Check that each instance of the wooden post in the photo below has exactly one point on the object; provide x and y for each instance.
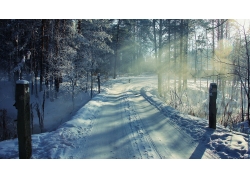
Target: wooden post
(212, 105)
(22, 104)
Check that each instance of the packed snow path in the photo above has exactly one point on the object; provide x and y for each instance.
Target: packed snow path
(127, 126)
(128, 121)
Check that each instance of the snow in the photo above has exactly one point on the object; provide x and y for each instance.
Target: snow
(220, 142)
(132, 114)
(129, 121)
(22, 82)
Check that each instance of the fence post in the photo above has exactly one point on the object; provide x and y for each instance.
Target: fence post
(22, 97)
(212, 105)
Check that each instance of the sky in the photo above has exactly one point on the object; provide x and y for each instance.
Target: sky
(99, 9)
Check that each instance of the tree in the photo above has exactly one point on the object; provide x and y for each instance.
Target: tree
(116, 48)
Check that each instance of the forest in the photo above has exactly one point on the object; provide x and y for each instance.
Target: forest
(181, 52)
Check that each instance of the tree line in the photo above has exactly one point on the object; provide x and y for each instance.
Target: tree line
(177, 50)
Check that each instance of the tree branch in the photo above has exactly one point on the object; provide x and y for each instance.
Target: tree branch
(217, 25)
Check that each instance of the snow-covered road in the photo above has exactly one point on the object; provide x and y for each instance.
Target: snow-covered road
(128, 121)
(127, 126)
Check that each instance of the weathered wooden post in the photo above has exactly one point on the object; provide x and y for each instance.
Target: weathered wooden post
(212, 105)
(22, 104)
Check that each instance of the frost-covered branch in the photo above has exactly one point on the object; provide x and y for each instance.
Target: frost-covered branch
(19, 65)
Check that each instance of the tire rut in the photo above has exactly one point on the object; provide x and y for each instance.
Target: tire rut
(140, 137)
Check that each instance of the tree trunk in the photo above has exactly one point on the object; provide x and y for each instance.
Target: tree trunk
(140, 51)
(213, 49)
(32, 60)
(56, 70)
(47, 69)
(218, 40)
(196, 58)
(91, 79)
(116, 49)
(223, 81)
(185, 74)
(181, 56)
(248, 77)
(175, 62)
(207, 57)
(169, 56)
(133, 61)
(159, 64)
(79, 22)
(42, 53)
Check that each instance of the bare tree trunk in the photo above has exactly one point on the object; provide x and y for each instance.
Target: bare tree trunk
(91, 79)
(223, 83)
(79, 22)
(196, 59)
(47, 73)
(32, 60)
(135, 50)
(42, 58)
(185, 71)
(139, 51)
(56, 70)
(169, 55)
(207, 57)
(116, 48)
(218, 39)
(241, 85)
(50, 61)
(181, 56)
(175, 63)
(159, 64)
(155, 47)
(248, 75)
(213, 49)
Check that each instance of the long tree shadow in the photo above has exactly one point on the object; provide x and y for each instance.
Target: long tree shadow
(201, 148)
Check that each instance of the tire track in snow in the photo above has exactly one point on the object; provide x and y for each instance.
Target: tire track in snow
(159, 148)
(144, 144)
(129, 129)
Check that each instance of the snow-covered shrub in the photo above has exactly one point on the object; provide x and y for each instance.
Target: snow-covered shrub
(195, 101)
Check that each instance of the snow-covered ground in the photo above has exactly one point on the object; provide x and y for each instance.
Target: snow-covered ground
(128, 121)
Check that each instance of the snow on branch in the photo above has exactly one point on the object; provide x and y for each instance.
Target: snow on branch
(20, 65)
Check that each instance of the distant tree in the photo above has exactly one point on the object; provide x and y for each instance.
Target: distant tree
(116, 48)
(242, 67)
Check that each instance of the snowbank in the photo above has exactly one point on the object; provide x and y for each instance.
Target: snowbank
(222, 141)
